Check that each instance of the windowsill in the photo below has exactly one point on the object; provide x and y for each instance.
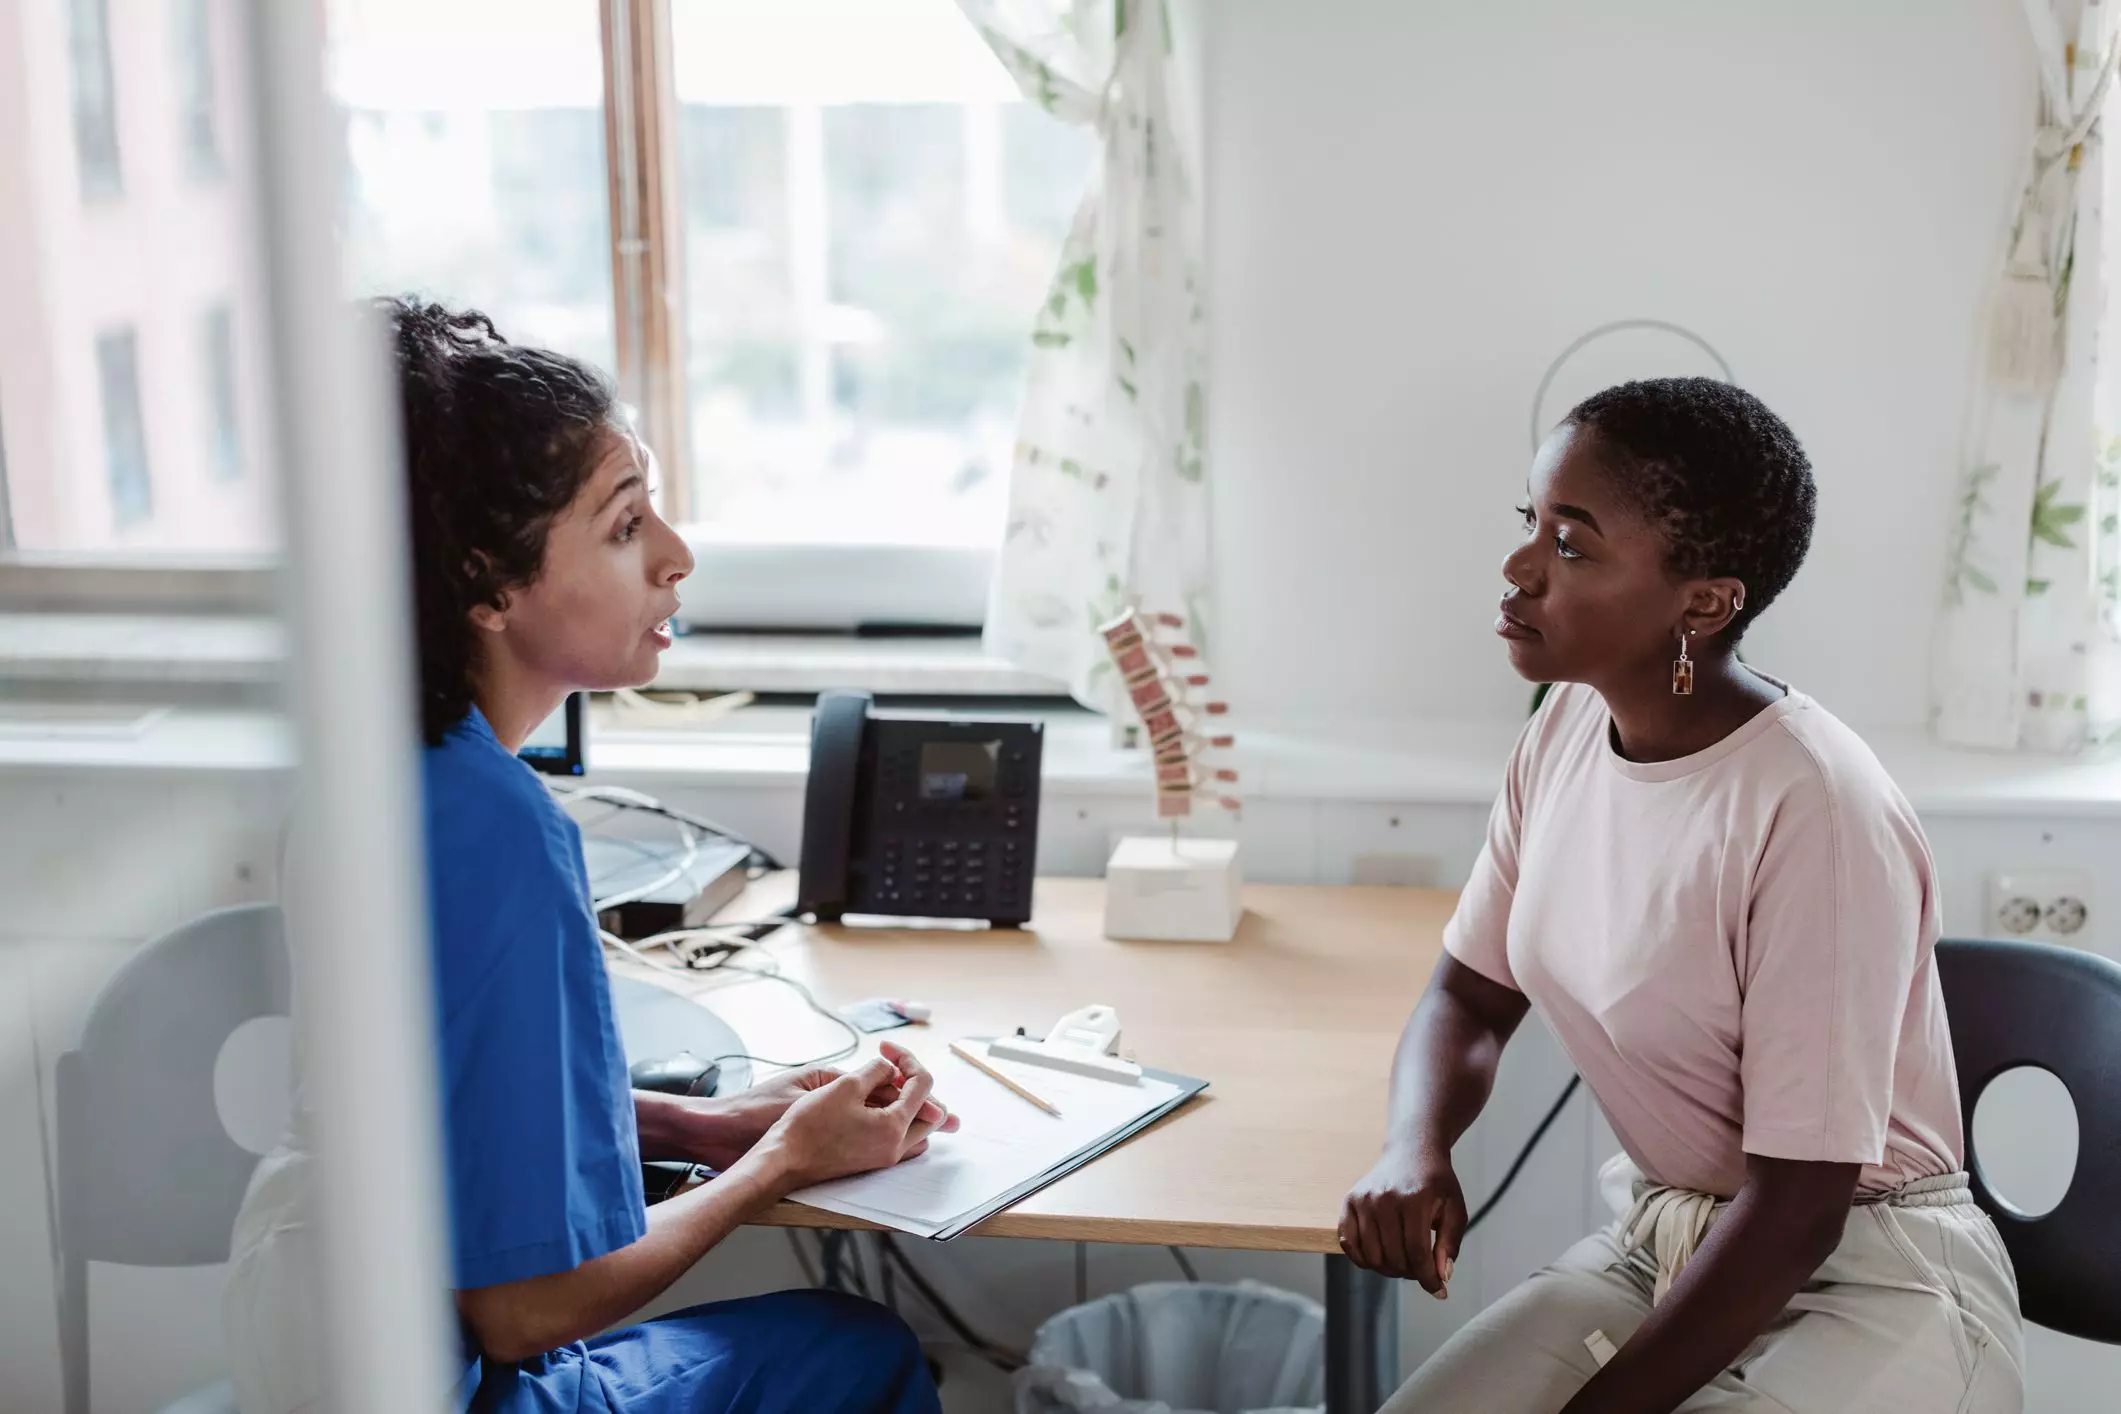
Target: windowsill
(147, 650)
(1451, 762)
(942, 667)
(139, 649)
(1447, 763)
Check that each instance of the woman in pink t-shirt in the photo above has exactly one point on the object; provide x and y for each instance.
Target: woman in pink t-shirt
(1726, 911)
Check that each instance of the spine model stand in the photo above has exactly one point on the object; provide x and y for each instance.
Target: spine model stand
(1158, 669)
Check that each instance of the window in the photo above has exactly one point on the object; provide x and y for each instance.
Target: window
(475, 145)
(809, 237)
(143, 443)
(95, 97)
(871, 219)
(132, 498)
(866, 219)
(224, 438)
(195, 88)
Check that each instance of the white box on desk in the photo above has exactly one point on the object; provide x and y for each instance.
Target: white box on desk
(1164, 889)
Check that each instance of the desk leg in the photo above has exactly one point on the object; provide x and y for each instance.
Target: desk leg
(1362, 1338)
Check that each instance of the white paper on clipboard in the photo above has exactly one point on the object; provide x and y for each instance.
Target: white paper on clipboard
(1005, 1147)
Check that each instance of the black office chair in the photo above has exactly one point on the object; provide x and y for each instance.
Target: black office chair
(2019, 1004)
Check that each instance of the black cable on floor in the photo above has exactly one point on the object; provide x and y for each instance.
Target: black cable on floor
(860, 1268)
(802, 1258)
(851, 1254)
(993, 1354)
(830, 1254)
(884, 1277)
(1567, 1092)
(1185, 1263)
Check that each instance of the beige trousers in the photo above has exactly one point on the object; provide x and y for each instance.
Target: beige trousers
(1916, 1312)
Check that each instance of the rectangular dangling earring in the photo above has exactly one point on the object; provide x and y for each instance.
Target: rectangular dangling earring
(1683, 671)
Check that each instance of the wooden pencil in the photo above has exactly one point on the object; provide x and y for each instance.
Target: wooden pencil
(981, 1063)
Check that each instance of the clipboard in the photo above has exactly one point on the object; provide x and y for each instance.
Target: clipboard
(951, 1189)
(1188, 1086)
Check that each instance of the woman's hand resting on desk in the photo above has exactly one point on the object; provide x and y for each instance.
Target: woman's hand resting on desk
(1406, 1218)
(871, 1119)
(725, 1128)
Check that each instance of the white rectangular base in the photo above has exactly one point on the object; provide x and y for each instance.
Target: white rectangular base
(1183, 890)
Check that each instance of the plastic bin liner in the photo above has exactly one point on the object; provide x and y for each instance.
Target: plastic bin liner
(1180, 1348)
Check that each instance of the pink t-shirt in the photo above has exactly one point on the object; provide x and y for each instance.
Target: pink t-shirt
(1735, 948)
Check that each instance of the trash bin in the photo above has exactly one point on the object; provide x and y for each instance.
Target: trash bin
(1180, 1348)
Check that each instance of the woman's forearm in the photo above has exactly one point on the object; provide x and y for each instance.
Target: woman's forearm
(715, 1131)
(518, 1320)
(1441, 1078)
(673, 1126)
(1445, 1066)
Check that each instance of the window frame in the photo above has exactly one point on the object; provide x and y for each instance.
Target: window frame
(220, 392)
(744, 583)
(196, 86)
(128, 469)
(98, 175)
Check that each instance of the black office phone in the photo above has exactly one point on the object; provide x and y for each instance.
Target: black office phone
(919, 817)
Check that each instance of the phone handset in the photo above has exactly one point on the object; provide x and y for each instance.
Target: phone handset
(836, 732)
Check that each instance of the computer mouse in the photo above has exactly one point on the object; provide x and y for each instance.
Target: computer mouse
(681, 1074)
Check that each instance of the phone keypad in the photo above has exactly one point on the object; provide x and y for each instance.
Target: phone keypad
(953, 877)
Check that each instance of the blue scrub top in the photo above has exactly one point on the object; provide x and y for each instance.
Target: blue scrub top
(537, 1109)
(544, 1164)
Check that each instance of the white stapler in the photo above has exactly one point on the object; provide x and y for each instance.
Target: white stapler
(1083, 1041)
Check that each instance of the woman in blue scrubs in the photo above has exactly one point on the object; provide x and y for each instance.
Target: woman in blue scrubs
(542, 568)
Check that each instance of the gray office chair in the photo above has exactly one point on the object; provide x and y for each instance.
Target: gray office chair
(2020, 1004)
(147, 1174)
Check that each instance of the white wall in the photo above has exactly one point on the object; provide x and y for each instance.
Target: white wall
(1413, 207)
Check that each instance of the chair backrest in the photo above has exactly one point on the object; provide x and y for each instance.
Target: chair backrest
(2057, 1009)
(148, 1175)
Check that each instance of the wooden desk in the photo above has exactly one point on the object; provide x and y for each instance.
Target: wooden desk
(1293, 1024)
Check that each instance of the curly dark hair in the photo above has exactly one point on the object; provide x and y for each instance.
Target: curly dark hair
(1721, 476)
(498, 439)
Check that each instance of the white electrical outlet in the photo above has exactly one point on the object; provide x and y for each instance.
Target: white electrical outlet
(2045, 905)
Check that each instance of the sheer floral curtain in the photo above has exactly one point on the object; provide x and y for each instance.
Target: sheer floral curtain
(2029, 654)
(1108, 495)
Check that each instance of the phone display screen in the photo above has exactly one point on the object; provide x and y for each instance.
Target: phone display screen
(958, 770)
